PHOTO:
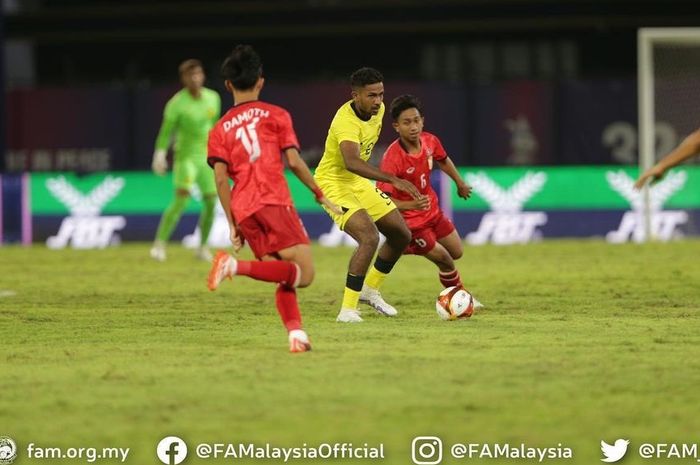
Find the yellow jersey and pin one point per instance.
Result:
(347, 126)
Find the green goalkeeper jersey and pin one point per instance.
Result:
(190, 119)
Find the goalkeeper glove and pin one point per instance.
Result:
(160, 163)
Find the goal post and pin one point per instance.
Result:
(682, 46)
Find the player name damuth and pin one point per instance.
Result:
(245, 117)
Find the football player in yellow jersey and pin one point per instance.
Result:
(344, 177)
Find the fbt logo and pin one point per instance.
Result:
(85, 228)
(507, 223)
(664, 224)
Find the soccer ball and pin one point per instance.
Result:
(454, 302)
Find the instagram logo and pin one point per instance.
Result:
(426, 450)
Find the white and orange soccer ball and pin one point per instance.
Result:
(453, 303)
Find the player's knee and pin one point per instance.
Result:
(178, 204)
(406, 236)
(369, 239)
(300, 256)
(402, 237)
(372, 241)
(441, 257)
(307, 276)
(456, 253)
(445, 263)
(209, 202)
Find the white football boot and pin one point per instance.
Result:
(204, 254)
(299, 341)
(158, 251)
(373, 298)
(349, 316)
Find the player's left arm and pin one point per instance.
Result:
(686, 149)
(301, 171)
(464, 190)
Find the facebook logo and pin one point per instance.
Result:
(172, 450)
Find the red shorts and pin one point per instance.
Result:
(273, 228)
(423, 239)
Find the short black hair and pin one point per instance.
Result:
(364, 77)
(242, 67)
(189, 65)
(404, 102)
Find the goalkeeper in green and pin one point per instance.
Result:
(188, 115)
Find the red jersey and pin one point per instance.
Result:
(250, 139)
(414, 168)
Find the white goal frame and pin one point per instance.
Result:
(646, 39)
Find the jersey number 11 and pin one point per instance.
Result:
(249, 138)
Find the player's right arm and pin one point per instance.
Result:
(224, 192)
(160, 164)
(689, 147)
(389, 166)
(217, 159)
(420, 204)
(353, 163)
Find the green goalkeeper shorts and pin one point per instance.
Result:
(187, 173)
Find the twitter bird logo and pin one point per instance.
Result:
(615, 452)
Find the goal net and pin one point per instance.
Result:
(669, 106)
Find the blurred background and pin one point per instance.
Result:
(505, 83)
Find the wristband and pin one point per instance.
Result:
(317, 193)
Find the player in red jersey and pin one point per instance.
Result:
(246, 145)
(411, 157)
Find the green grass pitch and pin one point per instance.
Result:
(580, 341)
